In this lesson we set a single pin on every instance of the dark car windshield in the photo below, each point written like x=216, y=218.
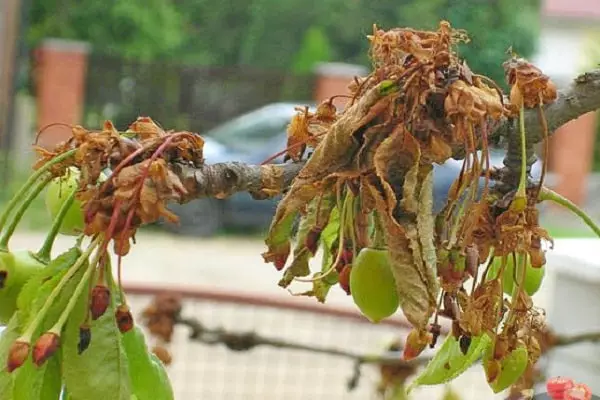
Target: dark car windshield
x=253, y=129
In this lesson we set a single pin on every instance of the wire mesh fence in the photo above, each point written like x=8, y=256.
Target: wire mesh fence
x=201, y=371
x=214, y=372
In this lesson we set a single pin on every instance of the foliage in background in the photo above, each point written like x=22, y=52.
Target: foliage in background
x=276, y=33
x=315, y=48
x=139, y=29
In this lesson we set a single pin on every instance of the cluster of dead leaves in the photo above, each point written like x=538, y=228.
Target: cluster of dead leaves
x=126, y=177
x=418, y=105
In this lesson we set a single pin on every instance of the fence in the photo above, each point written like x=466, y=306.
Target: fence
x=183, y=97
x=201, y=371
x=208, y=372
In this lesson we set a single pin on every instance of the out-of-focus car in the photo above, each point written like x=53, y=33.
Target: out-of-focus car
x=254, y=137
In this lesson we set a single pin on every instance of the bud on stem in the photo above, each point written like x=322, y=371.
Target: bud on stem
x=17, y=354
x=99, y=301
x=85, y=337
x=124, y=318
x=45, y=347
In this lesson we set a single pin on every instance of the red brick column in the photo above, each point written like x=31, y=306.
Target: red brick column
x=571, y=156
x=60, y=87
x=333, y=79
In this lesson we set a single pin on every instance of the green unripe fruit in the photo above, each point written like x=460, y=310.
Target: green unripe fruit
x=58, y=191
x=372, y=284
x=511, y=368
x=533, y=276
x=16, y=269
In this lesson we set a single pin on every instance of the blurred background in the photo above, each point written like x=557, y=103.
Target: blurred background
x=233, y=72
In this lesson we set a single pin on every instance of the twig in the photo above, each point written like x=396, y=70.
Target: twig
x=222, y=180
x=593, y=337
x=248, y=340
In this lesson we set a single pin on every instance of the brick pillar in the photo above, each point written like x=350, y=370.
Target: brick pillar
x=571, y=156
x=60, y=87
x=333, y=79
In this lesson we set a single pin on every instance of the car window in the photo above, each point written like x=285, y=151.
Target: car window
x=250, y=131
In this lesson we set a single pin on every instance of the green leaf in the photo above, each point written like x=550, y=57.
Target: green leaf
x=330, y=233
x=8, y=336
x=449, y=361
x=41, y=383
x=149, y=380
x=512, y=368
x=38, y=288
x=101, y=372
x=38, y=383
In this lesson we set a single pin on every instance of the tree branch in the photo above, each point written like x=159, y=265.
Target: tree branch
x=248, y=340
x=221, y=180
x=224, y=179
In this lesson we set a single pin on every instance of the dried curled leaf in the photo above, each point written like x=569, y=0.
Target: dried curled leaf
x=410, y=247
x=334, y=153
x=298, y=134
x=529, y=86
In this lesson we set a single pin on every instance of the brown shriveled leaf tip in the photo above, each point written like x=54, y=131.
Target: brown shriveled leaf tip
x=492, y=369
x=17, y=354
x=305, y=127
x=146, y=128
x=163, y=354
x=416, y=341
x=45, y=347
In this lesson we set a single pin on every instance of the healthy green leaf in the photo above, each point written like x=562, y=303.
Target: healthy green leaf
x=8, y=336
x=101, y=372
x=449, y=361
x=149, y=380
x=512, y=368
x=37, y=383
x=44, y=382
x=38, y=288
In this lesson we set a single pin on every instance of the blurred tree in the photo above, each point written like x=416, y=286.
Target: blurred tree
x=136, y=29
x=277, y=33
x=315, y=48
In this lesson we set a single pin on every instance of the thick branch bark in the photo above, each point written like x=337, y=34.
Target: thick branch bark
x=224, y=179
x=221, y=180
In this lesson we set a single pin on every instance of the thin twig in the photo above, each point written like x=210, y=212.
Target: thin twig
x=590, y=337
x=248, y=340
